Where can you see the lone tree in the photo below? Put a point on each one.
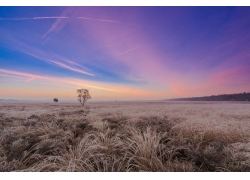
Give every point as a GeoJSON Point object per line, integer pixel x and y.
{"type": "Point", "coordinates": [83, 95]}
{"type": "Point", "coordinates": [55, 100]}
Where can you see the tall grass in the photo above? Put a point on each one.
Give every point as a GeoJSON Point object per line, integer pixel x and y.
{"type": "Point", "coordinates": [111, 141]}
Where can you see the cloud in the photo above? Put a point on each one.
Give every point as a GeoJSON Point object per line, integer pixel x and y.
{"type": "Point", "coordinates": [60, 64]}
{"type": "Point", "coordinates": [196, 73]}
{"type": "Point", "coordinates": [19, 74]}
{"type": "Point", "coordinates": [127, 51]}
{"type": "Point", "coordinates": [107, 20]}
{"type": "Point", "coordinates": [128, 48]}
{"type": "Point", "coordinates": [68, 61]}
{"type": "Point", "coordinates": [31, 77]}
{"type": "Point", "coordinates": [33, 18]}
{"type": "Point", "coordinates": [51, 58]}
{"type": "Point", "coordinates": [53, 28]}
{"type": "Point", "coordinates": [70, 68]}
{"type": "Point", "coordinates": [104, 89]}
{"type": "Point", "coordinates": [58, 24]}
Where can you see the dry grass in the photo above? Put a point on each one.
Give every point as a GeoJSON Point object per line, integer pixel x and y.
{"type": "Point", "coordinates": [128, 136]}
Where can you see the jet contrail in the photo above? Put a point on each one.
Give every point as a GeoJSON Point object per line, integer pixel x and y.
{"type": "Point", "coordinates": [33, 18]}
{"type": "Point", "coordinates": [107, 20]}
{"type": "Point", "coordinates": [60, 64]}
{"type": "Point", "coordinates": [63, 17]}
{"type": "Point", "coordinates": [30, 79]}
{"type": "Point", "coordinates": [5, 72]}
{"type": "Point", "coordinates": [128, 51]}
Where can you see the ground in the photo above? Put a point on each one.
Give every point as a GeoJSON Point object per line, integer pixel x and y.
{"type": "Point", "coordinates": [125, 136]}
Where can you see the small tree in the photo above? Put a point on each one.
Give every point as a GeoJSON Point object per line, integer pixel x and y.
{"type": "Point", "coordinates": [83, 95]}
{"type": "Point", "coordinates": [55, 100]}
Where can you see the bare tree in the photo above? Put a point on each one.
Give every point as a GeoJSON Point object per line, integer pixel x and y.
{"type": "Point", "coordinates": [83, 95]}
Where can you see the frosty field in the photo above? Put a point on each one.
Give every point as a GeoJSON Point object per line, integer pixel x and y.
{"type": "Point", "coordinates": [125, 136]}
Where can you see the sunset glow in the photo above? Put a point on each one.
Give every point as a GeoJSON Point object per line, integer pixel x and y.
{"type": "Point", "coordinates": [123, 53]}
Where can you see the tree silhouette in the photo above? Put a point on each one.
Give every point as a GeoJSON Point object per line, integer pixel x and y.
{"type": "Point", "coordinates": [83, 95]}
{"type": "Point", "coordinates": [55, 100]}
{"type": "Point", "coordinates": [223, 97]}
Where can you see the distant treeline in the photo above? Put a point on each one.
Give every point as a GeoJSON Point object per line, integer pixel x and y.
{"type": "Point", "coordinates": [223, 97]}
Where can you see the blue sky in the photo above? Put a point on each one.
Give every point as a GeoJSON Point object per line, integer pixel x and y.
{"type": "Point", "coordinates": [129, 53]}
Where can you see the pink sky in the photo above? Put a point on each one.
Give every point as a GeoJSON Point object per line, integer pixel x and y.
{"type": "Point", "coordinates": [128, 53]}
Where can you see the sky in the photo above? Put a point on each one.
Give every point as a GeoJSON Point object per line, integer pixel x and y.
{"type": "Point", "coordinates": [123, 53]}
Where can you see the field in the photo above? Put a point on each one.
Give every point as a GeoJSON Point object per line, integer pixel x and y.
{"type": "Point", "coordinates": [125, 136]}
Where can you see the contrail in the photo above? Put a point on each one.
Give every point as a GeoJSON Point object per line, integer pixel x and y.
{"type": "Point", "coordinates": [128, 51]}
{"type": "Point", "coordinates": [4, 72]}
{"type": "Point", "coordinates": [107, 20]}
{"type": "Point", "coordinates": [62, 65]}
{"type": "Point", "coordinates": [30, 79]}
{"type": "Point", "coordinates": [33, 18]}
{"type": "Point", "coordinates": [57, 25]}
{"type": "Point", "coordinates": [70, 68]}
{"type": "Point", "coordinates": [51, 17]}
{"type": "Point", "coordinates": [63, 17]}
{"type": "Point", "coordinates": [59, 17]}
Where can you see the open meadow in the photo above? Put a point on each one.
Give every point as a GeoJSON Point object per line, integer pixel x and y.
{"type": "Point", "coordinates": [125, 136]}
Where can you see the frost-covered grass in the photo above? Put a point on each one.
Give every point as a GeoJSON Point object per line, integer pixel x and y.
{"type": "Point", "coordinates": [125, 136]}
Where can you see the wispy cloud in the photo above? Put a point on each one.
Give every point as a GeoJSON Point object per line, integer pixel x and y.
{"type": "Point", "coordinates": [33, 18]}
{"type": "Point", "coordinates": [30, 77]}
{"type": "Point", "coordinates": [52, 28]}
{"type": "Point", "coordinates": [57, 25]}
{"type": "Point", "coordinates": [59, 64]}
{"type": "Point", "coordinates": [45, 41]}
{"type": "Point", "coordinates": [127, 51]}
{"type": "Point", "coordinates": [50, 58]}
{"type": "Point", "coordinates": [68, 61]}
{"type": "Point", "coordinates": [59, 19]}
{"type": "Point", "coordinates": [70, 68]}
{"type": "Point", "coordinates": [120, 90]}
{"type": "Point", "coordinates": [108, 20]}
{"type": "Point", "coordinates": [19, 74]}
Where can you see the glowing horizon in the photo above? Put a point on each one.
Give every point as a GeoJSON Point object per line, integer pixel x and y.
{"type": "Point", "coordinates": [123, 53]}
